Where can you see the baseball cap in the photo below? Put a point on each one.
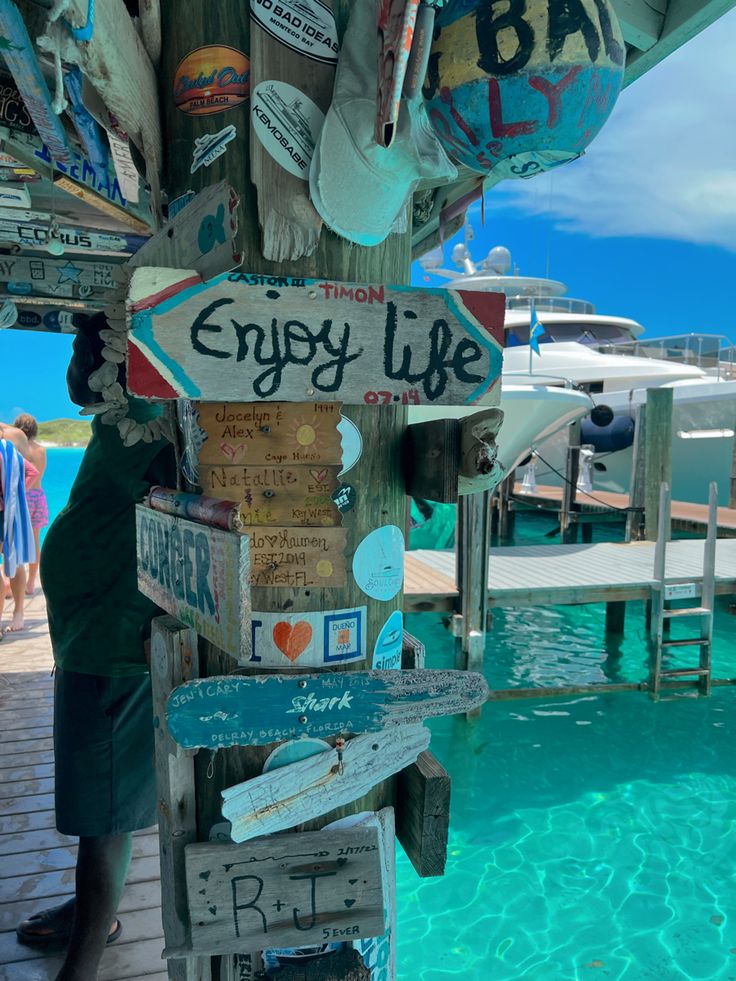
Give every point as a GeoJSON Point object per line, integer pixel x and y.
{"type": "Point", "coordinates": [359, 188]}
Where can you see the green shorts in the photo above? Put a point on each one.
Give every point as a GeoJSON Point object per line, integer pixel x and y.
{"type": "Point", "coordinates": [104, 754]}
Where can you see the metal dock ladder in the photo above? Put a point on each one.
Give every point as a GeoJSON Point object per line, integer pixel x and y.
{"type": "Point", "coordinates": [664, 590]}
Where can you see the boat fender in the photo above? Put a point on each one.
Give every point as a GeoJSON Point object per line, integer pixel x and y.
{"type": "Point", "coordinates": [617, 435]}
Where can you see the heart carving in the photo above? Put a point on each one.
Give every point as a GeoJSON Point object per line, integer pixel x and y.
{"type": "Point", "coordinates": [232, 452]}
{"type": "Point", "coordinates": [349, 902]}
{"type": "Point", "coordinates": [320, 475]}
{"type": "Point", "coordinates": [292, 641]}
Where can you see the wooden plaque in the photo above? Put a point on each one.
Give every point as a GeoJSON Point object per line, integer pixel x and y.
{"type": "Point", "coordinates": [268, 433]}
{"type": "Point", "coordinates": [244, 337]}
{"type": "Point", "coordinates": [297, 557]}
{"type": "Point", "coordinates": [240, 711]}
{"type": "Point", "coordinates": [199, 575]}
{"type": "Point", "coordinates": [276, 495]}
{"type": "Point", "coordinates": [285, 891]}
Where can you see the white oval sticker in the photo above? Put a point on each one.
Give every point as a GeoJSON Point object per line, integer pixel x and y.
{"type": "Point", "coordinates": [306, 26]}
{"type": "Point", "coordinates": [287, 123]}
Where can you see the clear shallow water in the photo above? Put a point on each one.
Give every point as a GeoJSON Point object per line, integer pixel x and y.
{"type": "Point", "coordinates": [591, 836]}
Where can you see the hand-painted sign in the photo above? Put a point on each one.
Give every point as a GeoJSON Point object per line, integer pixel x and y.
{"type": "Point", "coordinates": [387, 651]}
{"type": "Point", "coordinates": [63, 277]}
{"type": "Point", "coordinates": [20, 57]}
{"type": "Point", "coordinates": [271, 433]}
{"type": "Point", "coordinates": [238, 711]}
{"type": "Point", "coordinates": [309, 640]}
{"type": "Point", "coordinates": [198, 574]}
{"type": "Point", "coordinates": [297, 557]}
{"type": "Point", "coordinates": [98, 187]}
{"type": "Point", "coordinates": [211, 79]}
{"type": "Point", "coordinates": [305, 26]}
{"type": "Point", "coordinates": [314, 786]}
{"type": "Point", "coordinates": [13, 110]}
{"type": "Point", "coordinates": [378, 563]}
{"type": "Point", "coordinates": [284, 890]}
{"type": "Point", "coordinates": [200, 236]}
{"type": "Point", "coordinates": [276, 495]}
{"type": "Point", "coordinates": [287, 122]}
{"type": "Point", "coordinates": [31, 230]}
{"type": "Point", "coordinates": [245, 337]}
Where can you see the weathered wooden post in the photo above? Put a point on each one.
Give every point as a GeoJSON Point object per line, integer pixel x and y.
{"type": "Point", "coordinates": [657, 455]}
{"type": "Point", "coordinates": [310, 451]}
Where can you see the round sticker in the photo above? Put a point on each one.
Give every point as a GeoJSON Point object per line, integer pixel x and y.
{"type": "Point", "coordinates": [378, 563]}
{"type": "Point", "coordinates": [287, 123]}
{"type": "Point", "coordinates": [344, 497]}
{"type": "Point", "coordinates": [352, 444]}
{"type": "Point", "coordinates": [211, 79]}
{"type": "Point", "coordinates": [293, 751]}
{"type": "Point", "coordinates": [387, 652]}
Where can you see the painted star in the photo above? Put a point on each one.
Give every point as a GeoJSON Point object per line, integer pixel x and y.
{"type": "Point", "coordinates": [69, 273]}
{"type": "Point", "coordinates": [7, 45]}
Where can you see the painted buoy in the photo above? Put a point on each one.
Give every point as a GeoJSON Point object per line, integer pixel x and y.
{"type": "Point", "coordinates": [519, 86]}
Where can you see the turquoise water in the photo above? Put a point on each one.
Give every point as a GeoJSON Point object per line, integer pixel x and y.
{"type": "Point", "coordinates": [592, 836]}
{"type": "Point", "coordinates": [61, 469]}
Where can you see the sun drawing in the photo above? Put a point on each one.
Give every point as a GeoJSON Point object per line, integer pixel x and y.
{"type": "Point", "coordinates": [305, 432]}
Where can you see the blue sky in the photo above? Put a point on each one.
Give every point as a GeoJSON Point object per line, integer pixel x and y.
{"type": "Point", "coordinates": [643, 226]}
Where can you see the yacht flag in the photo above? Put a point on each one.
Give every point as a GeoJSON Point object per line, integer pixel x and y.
{"type": "Point", "coordinates": [535, 328]}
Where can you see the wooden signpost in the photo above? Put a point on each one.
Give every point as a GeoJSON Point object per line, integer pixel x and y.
{"type": "Point", "coordinates": [200, 237]}
{"type": "Point", "coordinates": [244, 337]}
{"type": "Point", "coordinates": [198, 574]}
{"type": "Point", "coordinates": [68, 277]}
{"type": "Point", "coordinates": [238, 711]}
{"type": "Point", "coordinates": [297, 557]}
{"type": "Point", "coordinates": [284, 890]}
{"type": "Point", "coordinates": [311, 787]}
{"type": "Point", "coordinates": [276, 495]}
{"type": "Point", "coordinates": [31, 230]}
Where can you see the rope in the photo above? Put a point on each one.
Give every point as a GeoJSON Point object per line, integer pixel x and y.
{"type": "Point", "coordinates": [605, 504]}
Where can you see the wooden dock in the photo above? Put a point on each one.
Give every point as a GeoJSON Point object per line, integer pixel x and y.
{"type": "Point", "coordinates": [604, 504]}
{"type": "Point", "coordinates": [36, 862]}
{"type": "Point", "coordinates": [540, 575]}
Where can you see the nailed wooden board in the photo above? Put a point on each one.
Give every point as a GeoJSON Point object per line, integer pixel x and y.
{"type": "Point", "coordinates": [69, 277]}
{"type": "Point", "coordinates": [244, 337]}
{"type": "Point", "coordinates": [234, 710]}
{"type": "Point", "coordinates": [276, 495]}
{"type": "Point", "coordinates": [30, 229]}
{"type": "Point", "coordinates": [115, 61]}
{"type": "Point", "coordinates": [258, 433]}
{"type": "Point", "coordinates": [20, 57]}
{"type": "Point", "coordinates": [285, 890]}
{"type": "Point", "coordinates": [201, 236]}
{"type": "Point", "coordinates": [297, 557]}
{"type": "Point", "coordinates": [99, 187]}
{"type": "Point", "coordinates": [311, 787]}
{"type": "Point", "coordinates": [423, 814]}
{"type": "Point", "coordinates": [198, 574]}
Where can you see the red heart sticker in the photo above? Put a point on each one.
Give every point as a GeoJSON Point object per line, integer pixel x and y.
{"type": "Point", "coordinates": [292, 640]}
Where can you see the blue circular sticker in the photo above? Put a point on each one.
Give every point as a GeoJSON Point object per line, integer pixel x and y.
{"type": "Point", "coordinates": [387, 652]}
{"type": "Point", "coordinates": [378, 563]}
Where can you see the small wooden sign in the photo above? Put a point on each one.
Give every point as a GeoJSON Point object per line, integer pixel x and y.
{"type": "Point", "coordinates": [247, 337]}
{"type": "Point", "coordinates": [70, 276]}
{"type": "Point", "coordinates": [198, 574]}
{"type": "Point", "coordinates": [276, 495]}
{"type": "Point", "coordinates": [200, 237]}
{"type": "Point", "coordinates": [297, 557]}
{"type": "Point", "coordinates": [31, 229]}
{"type": "Point", "coordinates": [270, 433]}
{"type": "Point", "coordinates": [20, 57]}
{"type": "Point", "coordinates": [240, 711]}
{"type": "Point", "coordinates": [285, 890]}
{"type": "Point", "coordinates": [314, 786]}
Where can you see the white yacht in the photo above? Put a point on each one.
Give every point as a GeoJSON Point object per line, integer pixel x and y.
{"type": "Point", "coordinates": [586, 359]}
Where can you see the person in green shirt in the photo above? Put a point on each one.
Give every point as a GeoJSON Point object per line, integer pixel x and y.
{"type": "Point", "coordinates": [103, 717]}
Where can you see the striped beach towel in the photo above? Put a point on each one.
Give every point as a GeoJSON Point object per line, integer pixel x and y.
{"type": "Point", "coordinates": [17, 533]}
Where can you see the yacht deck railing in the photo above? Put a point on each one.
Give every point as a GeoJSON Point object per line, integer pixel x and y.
{"type": "Point", "coordinates": [714, 353]}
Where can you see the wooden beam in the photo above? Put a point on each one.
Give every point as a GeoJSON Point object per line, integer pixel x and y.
{"type": "Point", "coordinates": [641, 22]}
{"type": "Point", "coordinates": [423, 814]}
{"type": "Point", "coordinates": [657, 455]}
{"type": "Point", "coordinates": [683, 20]}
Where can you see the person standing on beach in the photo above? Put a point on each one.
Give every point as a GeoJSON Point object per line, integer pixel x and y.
{"type": "Point", "coordinates": [16, 534]}
{"type": "Point", "coordinates": [35, 494]}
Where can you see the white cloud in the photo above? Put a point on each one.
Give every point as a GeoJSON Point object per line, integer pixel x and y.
{"type": "Point", "coordinates": [664, 164]}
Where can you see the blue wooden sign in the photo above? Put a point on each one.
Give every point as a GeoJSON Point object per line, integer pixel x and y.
{"type": "Point", "coordinates": [17, 50]}
{"type": "Point", "coordinates": [242, 711]}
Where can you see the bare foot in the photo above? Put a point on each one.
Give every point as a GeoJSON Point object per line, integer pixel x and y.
{"type": "Point", "coordinates": [30, 588]}
{"type": "Point", "coordinates": [16, 624]}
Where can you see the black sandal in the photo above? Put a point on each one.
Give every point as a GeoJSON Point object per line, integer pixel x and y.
{"type": "Point", "coordinates": [58, 934]}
